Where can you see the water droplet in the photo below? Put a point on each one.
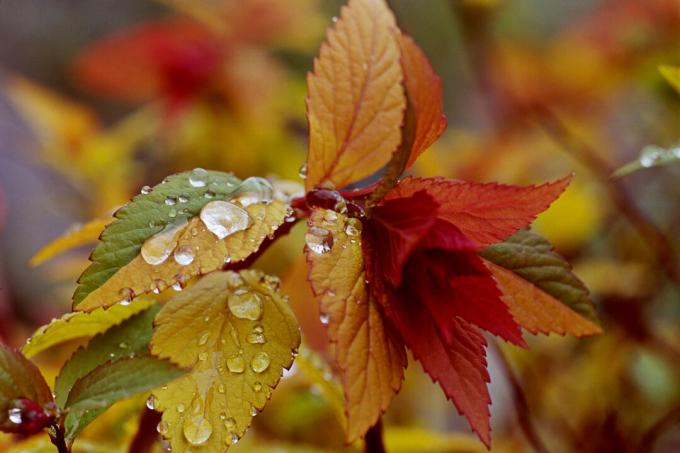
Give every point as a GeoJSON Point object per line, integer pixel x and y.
{"type": "Point", "coordinates": [334, 19]}
{"type": "Point", "coordinates": [198, 177]}
{"type": "Point", "coordinates": [162, 427]}
{"type": "Point", "coordinates": [183, 198]}
{"type": "Point", "coordinates": [285, 190]}
{"type": "Point", "coordinates": [151, 402]}
{"type": "Point", "coordinates": [220, 388]}
{"type": "Point", "coordinates": [177, 286]}
{"type": "Point", "coordinates": [676, 152]}
{"type": "Point", "coordinates": [319, 240]}
{"type": "Point", "coordinates": [256, 338]}
{"type": "Point", "coordinates": [158, 247]}
{"type": "Point", "coordinates": [245, 304]}
{"type": "Point", "coordinates": [324, 318]}
{"type": "Point", "coordinates": [181, 408]}
{"type": "Point", "coordinates": [127, 294]}
{"type": "Point", "coordinates": [209, 194]}
{"type": "Point", "coordinates": [197, 430]}
{"type": "Point", "coordinates": [145, 190]}
{"type": "Point", "coordinates": [236, 364]}
{"type": "Point", "coordinates": [184, 255]}
{"type": "Point", "coordinates": [14, 415]}
{"type": "Point", "coordinates": [253, 190]}
{"type": "Point", "coordinates": [170, 201]}
{"type": "Point", "coordinates": [260, 362]}
{"type": "Point", "coordinates": [303, 171]}
{"type": "Point", "coordinates": [234, 439]}
{"type": "Point", "coordinates": [157, 286]}
{"type": "Point", "coordinates": [330, 217]}
{"type": "Point", "coordinates": [253, 411]}
{"type": "Point", "coordinates": [257, 386]}
{"type": "Point", "coordinates": [229, 422]}
{"type": "Point", "coordinates": [203, 339]}
{"type": "Point", "coordinates": [650, 156]}
{"type": "Point", "coordinates": [172, 213]}
{"type": "Point", "coordinates": [123, 345]}
{"type": "Point", "coordinates": [353, 227]}
{"type": "Point", "coordinates": [223, 218]}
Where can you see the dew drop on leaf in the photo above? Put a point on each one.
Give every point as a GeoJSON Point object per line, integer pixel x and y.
{"type": "Point", "coordinates": [14, 415]}
{"type": "Point", "coordinates": [198, 177]}
{"type": "Point", "coordinates": [151, 402]}
{"type": "Point", "coordinates": [257, 386]}
{"type": "Point", "coordinates": [127, 294]}
{"type": "Point", "coordinates": [650, 156]}
{"type": "Point", "coordinates": [203, 339]}
{"type": "Point", "coordinates": [158, 247]}
{"type": "Point", "coordinates": [330, 217]}
{"type": "Point", "coordinates": [223, 218]}
{"type": "Point", "coordinates": [353, 227]}
{"type": "Point", "coordinates": [197, 429]}
{"type": "Point", "coordinates": [181, 408]}
{"type": "Point", "coordinates": [245, 304]}
{"type": "Point", "coordinates": [162, 427]}
{"type": "Point", "coordinates": [234, 439]}
{"type": "Point", "coordinates": [184, 256]}
{"type": "Point", "coordinates": [324, 318]}
{"type": "Point", "coordinates": [303, 171]}
{"type": "Point", "coordinates": [236, 364]}
{"type": "Point", "coordinates": [260, 362]}
{"type": "Point", "coordinates": [183, 198]}
{"type": "Point", "coordinates": [253, 190]}
{"type": "Point", "coordinates": [253, 411]}
{"type": "Point", "coordinates": [145, 190]}
{"type": "Point", "coordinates": [319, 240]}
{"type": "Point", "coordinates": [170, 201]}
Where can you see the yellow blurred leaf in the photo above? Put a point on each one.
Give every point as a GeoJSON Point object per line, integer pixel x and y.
{"type": "Point", "coordinates": [318, 372]}
{"type": "Point", "coordinates": [237, 332]}
{"type": "Point", "coordinates": [79, 325]}
{"type": "Point", "coordinates": [204, 252]}
{"type": "Point", "coordinates": [75, 236]}
{"type": "Point", "coordinates": [371, 356]}
{"type": "Point", "coordinates": [413, 440]}
{"type": "Point", "coordinates": [672, 75]}
{"type": "Point", "coordinates": [355, 101]}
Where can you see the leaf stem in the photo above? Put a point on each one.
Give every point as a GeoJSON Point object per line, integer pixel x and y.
{"type": "Point", "coordinates": [146, 434]}
{"type": "Point", "coordinates": [58, 439]}
{"type": "Point", "coordinates": [373, 442]}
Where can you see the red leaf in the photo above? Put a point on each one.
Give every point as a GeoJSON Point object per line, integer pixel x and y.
{"type": "Point", "coordinates": [424, 93]}
{"type": "Point", "coordinates": [486, 213]}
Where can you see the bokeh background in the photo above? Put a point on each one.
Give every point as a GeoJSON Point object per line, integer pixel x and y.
{"type": "Point", "coordinates": [98, 98]}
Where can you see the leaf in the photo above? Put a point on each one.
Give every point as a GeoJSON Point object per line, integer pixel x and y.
{"type": "Point", "coordinates": [672, 75]}
{"type": "Point", "coordinates": [367, 350]}
{"type": "Point", "coordinates": [405, 439]}
{"type": "Point", "coordinates": [532, 258]}
{"type": "Point", "coordinates": [115, 381]}
{"type": "Point", "coordinates": [209, 254]}
{"type": "Point", "coordinates": [424, 93]}
{"type": "Point", "coordinates": [485, 212]}
{"type": "Point", "coordinates": [236, 333]}
{"type": "Point", "coordinates": [129, 338]}
{"type": "Point", "coordinates": [355, 101]}
{"type": "Point", "coordinates": [146, 215]}
{"type": "Point", "coordinates": [537, 311]}
{"type": "Point", "coordinates": [76, 236]}
{"type": "Point", "coordinates": [19, 378]}
{"type": "Point", "coordinates": [80, 325]}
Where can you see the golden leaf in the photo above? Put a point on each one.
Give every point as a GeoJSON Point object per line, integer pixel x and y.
{"type": "Point", "coordinates": [81, 325]}
{"type": "Point", "coordinates": [203, 252]}
{"type": "Point", "coordinates": [537, 311]}
{"type": "Point", "coordinates": [74, 237]}
{"type": "Point", "coordinates": [356, 101]}
{"type": "Point", "coordinates": [370, 355]}
{"type": "Point", "coordinates": [237, 333]}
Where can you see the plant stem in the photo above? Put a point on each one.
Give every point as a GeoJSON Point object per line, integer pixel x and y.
{"type": "Point", "coordinates": [146, 434]}
{"type": "Point", "coordinates": [373, 442]}
{"type": "Point", "coordinates": [57, 438]}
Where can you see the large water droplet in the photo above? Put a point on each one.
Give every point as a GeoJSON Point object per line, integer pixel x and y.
{"type": "Point", "coordinates": [236, 364]}
{"type": "Point", "coordinates": [260, 362]}
{"type": "Point", "coordinates": [198, 177]}
{"type": "Point", "coordinates": [319, 240]}
{"type": "Point", "coordinates": [253, 190]}
{"type": "Point", "coordinates": [245, 304]}
{"type": "Point", "coordinates": [223, 218]}
{"type": "Point", "coordinates": [197, 429]}
{"type": "Point", "coordinates": [14, 415]}
{"type": "Point", "coordinates": [184, 255]}
{"type": "Point", "coordinates": [158, 247]}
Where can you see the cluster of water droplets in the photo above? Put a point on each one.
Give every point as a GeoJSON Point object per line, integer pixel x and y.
{"type": "Point", "coordinates": [654, 155]}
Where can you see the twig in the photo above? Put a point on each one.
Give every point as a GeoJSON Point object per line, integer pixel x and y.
{"type": "Point", "coordinates": [146, 434]}
{"type": "Point", "coordinates": [373, 442]}
{"type": "Point", "coordinates": [57, 438]}
{"type": "Point", "coordinates": [521, 406]}
{"type": "Point", "coordinates": [656, 239]}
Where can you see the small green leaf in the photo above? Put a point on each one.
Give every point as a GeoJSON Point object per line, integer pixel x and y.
{"type": "Point", "coordinates": [170, 203]}
{"type": "Point", "coordinates": [19, 378]}
{"type": "Point", "coordinates": [532, 257]}
{"type": "Point", "coordinates": [115, 381]}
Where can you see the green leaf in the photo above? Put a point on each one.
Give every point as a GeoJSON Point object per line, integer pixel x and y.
{"type": "Point", "coordinates": [19, 378]}
{"type": "Point", "coordinates": [115, 381]}
{"type": "Point", "coordinates": [532, 257]}
{"type": "Point", "coordinates": [169, 204]}
{"type": "Point", "coordinates": [131, 337]}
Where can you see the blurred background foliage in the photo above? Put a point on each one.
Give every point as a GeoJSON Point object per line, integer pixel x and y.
{"type": "Point", "coordinates": [100, 98]}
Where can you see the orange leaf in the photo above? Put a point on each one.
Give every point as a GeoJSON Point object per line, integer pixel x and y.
{"type": "Point", "coordinates": [424, 92]}
{"type": "Point", "coordinates": [537, 311]}
{"type": "Point", "coordinates": [355, 102]}
{"type": "Point", "coordinates": [369, 353]}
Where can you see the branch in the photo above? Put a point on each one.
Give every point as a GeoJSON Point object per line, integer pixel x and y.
{"type": "Point", "coordinates": [373, 442]}
{"type": "Point", "coordinates": [58, 439]}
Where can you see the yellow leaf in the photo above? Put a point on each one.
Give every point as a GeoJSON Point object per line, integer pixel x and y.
{"type": "Point", "coordinates": [413, 440]}
{"type": "Point", "coordinates": [204, 252]}
{"type": "Point", "coordinates": [370, 355]}
{"type": "Point", "coordinates": [672, 75]}
{"type": "Point", "coordinates": [355, 103]}
{"type": "Point", "coordinates": [537, 311]}
{"type": "Point", "coordinates": [74, 237]}
{"type": "Point", "coordinates": [237, 333]}
{"type": "Point", "coordinates": [79, 325]}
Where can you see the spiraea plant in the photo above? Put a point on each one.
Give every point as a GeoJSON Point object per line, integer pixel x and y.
{"type": "Point", "coordinates": [172, 305]}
